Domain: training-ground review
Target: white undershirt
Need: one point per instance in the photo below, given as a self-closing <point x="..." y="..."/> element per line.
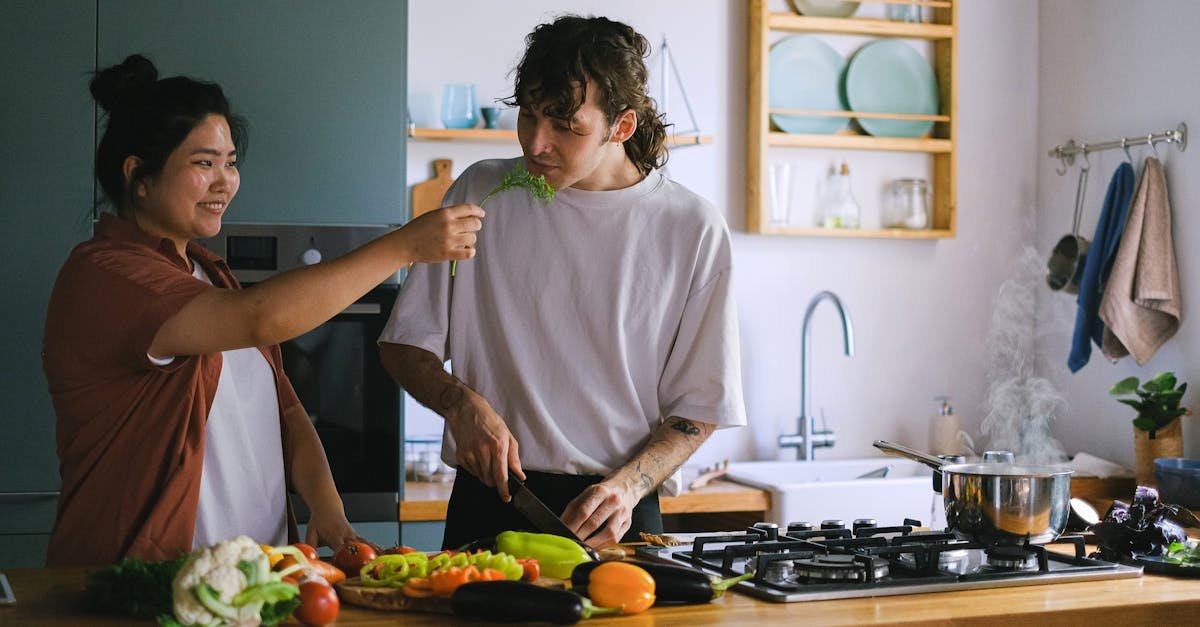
<point x="242" y="487"/>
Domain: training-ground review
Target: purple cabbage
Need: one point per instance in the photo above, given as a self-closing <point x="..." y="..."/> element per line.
<point x="1146" y="527"/>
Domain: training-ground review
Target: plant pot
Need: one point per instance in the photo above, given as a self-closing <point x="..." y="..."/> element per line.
<point x="1149" y="446"/>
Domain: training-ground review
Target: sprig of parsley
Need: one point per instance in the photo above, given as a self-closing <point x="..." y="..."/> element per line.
<point x="517" y="178"/>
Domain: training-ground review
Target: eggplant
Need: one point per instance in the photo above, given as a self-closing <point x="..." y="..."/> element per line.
<point x="518" y="601"/>
<point x="1145" y="527"/>
<point x="677" y="585"/>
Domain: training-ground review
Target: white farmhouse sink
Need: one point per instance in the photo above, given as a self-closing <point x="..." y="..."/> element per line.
<point x="829" y="489"/>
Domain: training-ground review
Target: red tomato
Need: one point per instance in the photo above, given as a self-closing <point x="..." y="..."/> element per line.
<point x="307" y="550"/>
<point x="288" y="579"/>
<point x="318" y="604"/>
<point x="352" y="556"/>
<point x="401" y="550"/>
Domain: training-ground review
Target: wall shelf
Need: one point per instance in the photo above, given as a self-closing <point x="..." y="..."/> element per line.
<point x="762" y="137"/>
<point x="509" y="135"/>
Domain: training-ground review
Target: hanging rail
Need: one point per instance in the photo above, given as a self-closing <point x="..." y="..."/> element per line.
<point x="1066" y="152"/>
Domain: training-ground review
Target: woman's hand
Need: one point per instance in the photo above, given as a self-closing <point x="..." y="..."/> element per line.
<point x="486" y="448"/>
<point x="329" y="528"/>
<point x="442" y="235"/>
<point x="604" y="509"/>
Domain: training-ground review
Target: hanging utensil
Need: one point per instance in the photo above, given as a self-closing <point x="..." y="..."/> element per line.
<point x="1066" y="260"/>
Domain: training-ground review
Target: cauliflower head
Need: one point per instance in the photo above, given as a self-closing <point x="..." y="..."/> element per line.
<point x="218" y="566"/>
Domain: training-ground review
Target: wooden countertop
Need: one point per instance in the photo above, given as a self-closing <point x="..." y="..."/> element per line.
<point x="427" y="501"/>
<point x="52" y="597"/>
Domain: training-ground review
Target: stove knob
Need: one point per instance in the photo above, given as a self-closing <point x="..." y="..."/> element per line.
<point x="833" y="523"/>
<point x="864" y="522"/>
<point x="799" y="527"/>
<point x="769" y="530"/>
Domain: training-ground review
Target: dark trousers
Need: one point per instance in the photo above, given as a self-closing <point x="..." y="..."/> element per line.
<point x="475" y="511"/>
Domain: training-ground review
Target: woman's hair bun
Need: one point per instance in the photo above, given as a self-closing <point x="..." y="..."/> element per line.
<point x="117" y="86"/>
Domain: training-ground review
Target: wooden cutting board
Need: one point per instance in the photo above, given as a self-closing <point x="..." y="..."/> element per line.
<point x="427" y="195"/>
<point x="352" y="591"/>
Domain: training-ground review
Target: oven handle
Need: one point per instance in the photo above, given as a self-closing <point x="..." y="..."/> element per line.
<point x="361" y="309"/>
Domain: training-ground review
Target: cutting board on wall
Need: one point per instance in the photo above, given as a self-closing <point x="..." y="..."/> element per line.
<point x="427" y="195"/>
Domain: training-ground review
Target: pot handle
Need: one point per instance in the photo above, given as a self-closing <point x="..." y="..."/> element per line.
<point x="898" y="450"/>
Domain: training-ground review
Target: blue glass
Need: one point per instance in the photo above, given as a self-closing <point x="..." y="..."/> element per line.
<point x="458" y="106"/>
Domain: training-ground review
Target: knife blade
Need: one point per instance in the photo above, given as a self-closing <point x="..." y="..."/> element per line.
<point x="543" y="518"/>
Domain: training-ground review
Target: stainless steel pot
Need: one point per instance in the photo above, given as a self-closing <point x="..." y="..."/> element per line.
<point x="999" y="503"/>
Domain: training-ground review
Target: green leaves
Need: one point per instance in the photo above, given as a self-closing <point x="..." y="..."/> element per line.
<point x="1157" y="402"/>
<point x="134" y="587"/>
<point x="520" y="178"/>
<point x="517" y="178"/>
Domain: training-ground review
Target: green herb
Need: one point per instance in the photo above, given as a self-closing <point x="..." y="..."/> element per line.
<point x="517" y="178"/>
<point x="1184" y="553"/>
<point x="134" y="587"/>
<point x="520" y="178"/>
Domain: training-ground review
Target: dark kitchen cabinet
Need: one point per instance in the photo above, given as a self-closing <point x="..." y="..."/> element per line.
<point x="48" y="56"/>
<point x="321" y="83"/>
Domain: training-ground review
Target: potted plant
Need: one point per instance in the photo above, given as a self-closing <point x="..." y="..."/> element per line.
<point x="1157" y="429"/>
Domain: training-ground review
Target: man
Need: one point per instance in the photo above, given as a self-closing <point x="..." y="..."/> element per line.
<point x="593" y="338"/>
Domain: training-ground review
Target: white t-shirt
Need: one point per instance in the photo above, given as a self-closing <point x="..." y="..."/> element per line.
<point x="242" y="486"/>
<point x="587" y="321"/>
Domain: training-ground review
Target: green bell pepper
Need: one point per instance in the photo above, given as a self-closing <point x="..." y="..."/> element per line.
<point x="558" y="556"/>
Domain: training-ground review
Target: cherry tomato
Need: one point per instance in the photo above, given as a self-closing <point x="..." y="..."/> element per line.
<point x="307" y="550"/>
<point x="352" y="556"/>
<point x="285" y="562"/>
<point x="318" y="604"/>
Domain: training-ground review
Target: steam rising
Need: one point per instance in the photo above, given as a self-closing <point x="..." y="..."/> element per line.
<point x="1019" y="405"/>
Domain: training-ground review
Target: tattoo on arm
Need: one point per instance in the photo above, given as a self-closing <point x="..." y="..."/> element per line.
<point x="685" y="426"/>
<point x="450" y="397"/>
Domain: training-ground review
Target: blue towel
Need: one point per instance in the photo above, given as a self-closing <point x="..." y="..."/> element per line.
<point x="1097" y="264"/>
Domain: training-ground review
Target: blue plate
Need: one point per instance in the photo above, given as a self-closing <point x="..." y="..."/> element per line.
<point x="889" y="76"/>
<point x="804" y="74"/>
<point x="824" y="8"/>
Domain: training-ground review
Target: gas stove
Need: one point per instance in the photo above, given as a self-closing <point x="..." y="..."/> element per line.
<point x="804" y="562"/>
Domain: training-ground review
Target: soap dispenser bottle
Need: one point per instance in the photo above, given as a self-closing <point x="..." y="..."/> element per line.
<point x="840" y="210"/>
<point x="943" y="429"/>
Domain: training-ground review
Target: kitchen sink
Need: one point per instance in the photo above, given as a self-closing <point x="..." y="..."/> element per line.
<point x="887" y="489"/>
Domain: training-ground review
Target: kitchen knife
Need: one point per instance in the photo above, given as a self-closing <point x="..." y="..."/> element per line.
<point x="543" y="518"/>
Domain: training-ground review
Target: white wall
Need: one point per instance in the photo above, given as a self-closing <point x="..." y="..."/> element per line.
<point x="1109" y="69"/>
<point x="920" y="308"/>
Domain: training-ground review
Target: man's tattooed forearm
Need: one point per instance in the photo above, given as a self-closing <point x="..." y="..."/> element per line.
<point x="450" y="397"/>
<point x="685" y="426"/>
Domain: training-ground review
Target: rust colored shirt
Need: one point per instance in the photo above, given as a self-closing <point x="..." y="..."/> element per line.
<point x="130" y="434"/>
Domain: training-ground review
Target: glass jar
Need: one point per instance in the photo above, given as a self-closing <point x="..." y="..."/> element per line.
<point x="839" y="209"/>
<point x="908" y="205"/>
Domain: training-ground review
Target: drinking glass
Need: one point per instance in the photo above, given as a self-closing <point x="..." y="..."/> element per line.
<point x="458" y="106"/>
<point x="780" y="177"/>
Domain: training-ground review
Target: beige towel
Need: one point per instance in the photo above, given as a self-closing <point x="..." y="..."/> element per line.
<point x="1142" y="307"/>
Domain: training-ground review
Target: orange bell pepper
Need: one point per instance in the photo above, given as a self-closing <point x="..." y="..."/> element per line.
<point x="621" y="585"/>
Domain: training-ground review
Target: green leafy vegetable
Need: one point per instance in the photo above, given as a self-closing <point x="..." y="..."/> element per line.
<point x="1184" y="553"/>
<point x="133" y="587"/>
<point x="517" y="178"/>
<point x="520" y="178"/>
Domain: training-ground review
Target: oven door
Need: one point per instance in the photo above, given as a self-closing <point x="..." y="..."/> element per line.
<point x="353" y="404"/>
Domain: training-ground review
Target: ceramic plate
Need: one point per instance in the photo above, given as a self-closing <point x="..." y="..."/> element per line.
<point x="804" y="74"/>
<point x="824" y="8"/>
<point x="890" y="76"/>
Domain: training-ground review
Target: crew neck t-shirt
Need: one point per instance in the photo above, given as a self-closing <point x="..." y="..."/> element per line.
<point x="242" y="487"/>
<point x="585" y="321"/>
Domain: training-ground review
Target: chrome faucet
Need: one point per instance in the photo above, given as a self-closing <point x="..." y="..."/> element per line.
<point x="808" y="438"/>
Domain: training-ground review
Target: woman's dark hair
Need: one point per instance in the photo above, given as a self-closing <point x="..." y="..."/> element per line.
<point x="148" y="118"/>
<point x="572" y="49"/>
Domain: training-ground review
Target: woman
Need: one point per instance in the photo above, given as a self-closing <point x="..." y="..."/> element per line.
<point x="176" y="426"/>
